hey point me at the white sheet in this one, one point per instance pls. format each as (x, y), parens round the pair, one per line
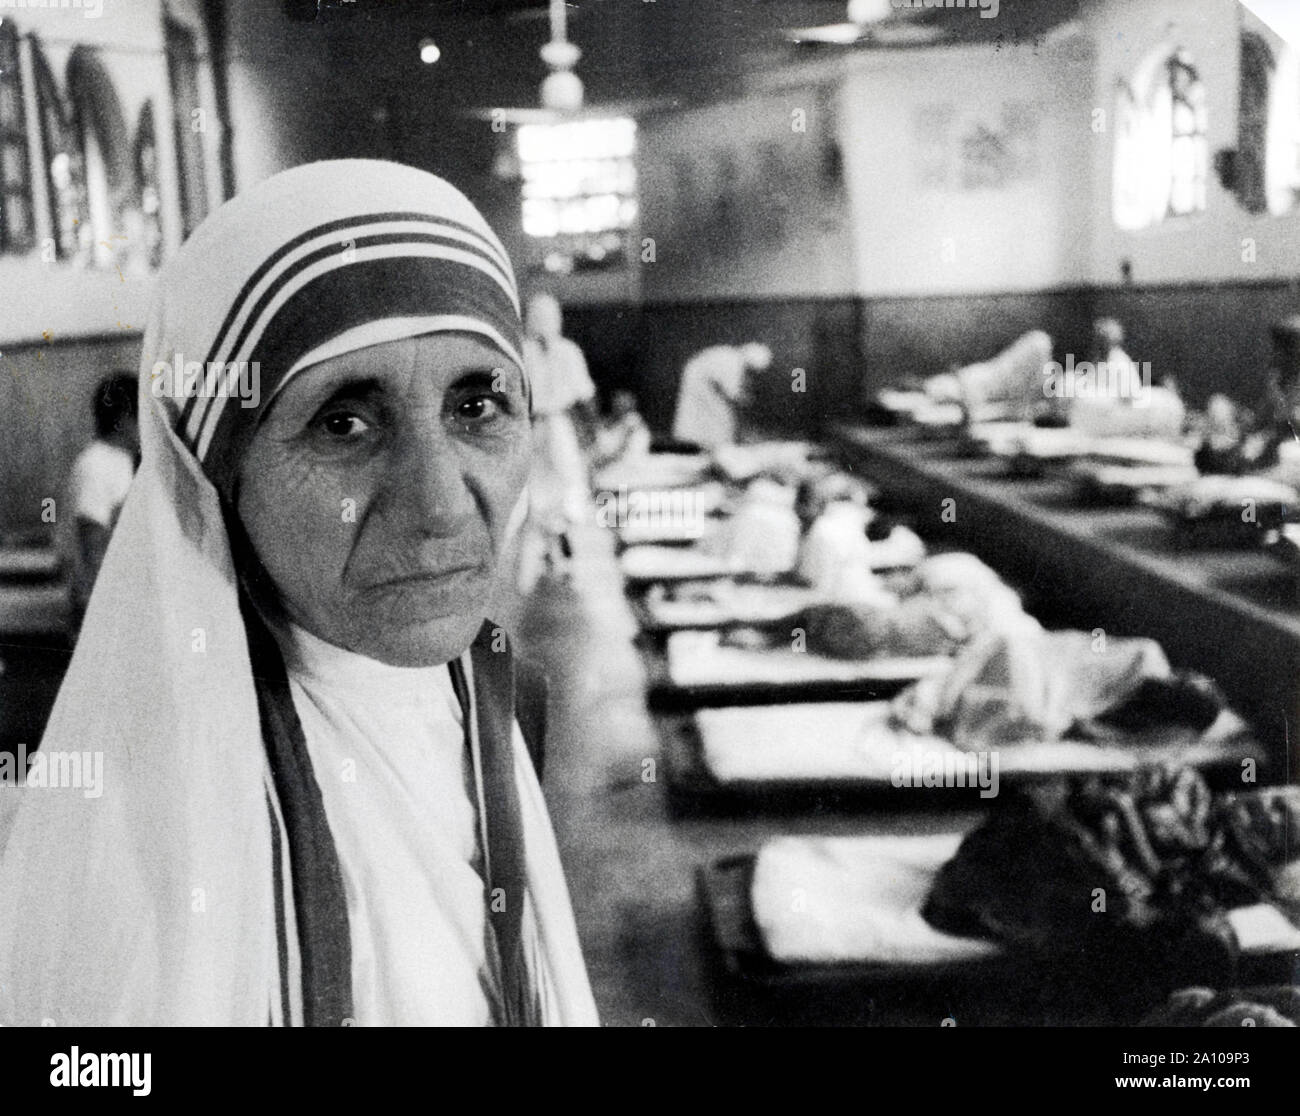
(1134, 478)
(672, 563)
(921, 409)
(836, 900)
(697, 659)
(840, 900)
(658, 470)
(740, 463)
(725, 602)
(662, 515)
(903, 549)
(815, 741)
(854, 742)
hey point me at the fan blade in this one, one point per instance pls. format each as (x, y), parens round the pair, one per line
(899, 33)
(841, 34)
(519, 115)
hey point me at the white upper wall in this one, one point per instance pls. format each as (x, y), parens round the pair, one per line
(912, 124)
(1213, 246)
(744, 199)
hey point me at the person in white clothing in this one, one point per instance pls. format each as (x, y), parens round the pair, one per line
(98, 484)
(714, 389)
(559, 489)
(320, 802)
(1122, 401)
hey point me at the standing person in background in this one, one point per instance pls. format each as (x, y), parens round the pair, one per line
(714, 389)
(559, 489)
(98, 484)
(1107, 343)
(1124, 403)
(624, 436)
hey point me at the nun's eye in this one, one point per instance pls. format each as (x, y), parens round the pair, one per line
(480, 409)
(344, 425)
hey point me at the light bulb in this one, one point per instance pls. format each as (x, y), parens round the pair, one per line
(863, 12)
(429, 52)
(562, 91)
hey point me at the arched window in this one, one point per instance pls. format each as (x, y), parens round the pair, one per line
(65, 170)
(146, 176)
(1282, 151)
(106, 145)
(1161, 151)
(1190, 158)
(17, 222)
(187, 123)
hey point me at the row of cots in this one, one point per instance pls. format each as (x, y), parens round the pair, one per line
(806, 655)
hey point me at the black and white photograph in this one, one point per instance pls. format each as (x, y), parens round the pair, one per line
(650, 513)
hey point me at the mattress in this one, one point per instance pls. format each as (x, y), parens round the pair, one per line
(658, 470)
(29, 563)
(847, 900)
(902, 549)
(33, 596)
(660, 515)
(837, 900)
(1024, 440)
(720, 603)
(1140, 451)
(672, 563)
(699, 659)
(741, 463)
(853, 742)
(918, 407)
(1131, 480)
(33, 609)
(1212, 496)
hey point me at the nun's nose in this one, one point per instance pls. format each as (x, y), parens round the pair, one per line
(431, 483)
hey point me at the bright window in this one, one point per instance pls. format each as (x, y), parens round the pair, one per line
(17, 221)
(65, 167)
(579, 189)
(1161, 151)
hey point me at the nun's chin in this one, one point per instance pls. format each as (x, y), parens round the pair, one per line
(422, 644)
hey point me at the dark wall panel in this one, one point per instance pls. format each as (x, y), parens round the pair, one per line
(1210, 338)
(46, 419)
(922, 336)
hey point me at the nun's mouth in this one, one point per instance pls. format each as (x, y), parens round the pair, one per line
(422, 595)
(431, 577)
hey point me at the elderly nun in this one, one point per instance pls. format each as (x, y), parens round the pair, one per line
(318, 806)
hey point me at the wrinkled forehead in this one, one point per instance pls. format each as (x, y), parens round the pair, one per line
(412, 372)
(314, 263)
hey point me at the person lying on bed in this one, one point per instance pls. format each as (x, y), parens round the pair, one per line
(1120, 400)
(946, 602)
(943, 605)
(1007, 387)
(762, 535)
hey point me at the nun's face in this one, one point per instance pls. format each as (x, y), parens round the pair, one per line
(378, 492)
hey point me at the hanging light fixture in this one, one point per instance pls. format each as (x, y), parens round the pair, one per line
(562, 88)
(863, 12)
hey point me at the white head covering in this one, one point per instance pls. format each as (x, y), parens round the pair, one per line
(156, 902)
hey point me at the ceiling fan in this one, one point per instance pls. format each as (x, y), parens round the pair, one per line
(870, 23)
(561, 93)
